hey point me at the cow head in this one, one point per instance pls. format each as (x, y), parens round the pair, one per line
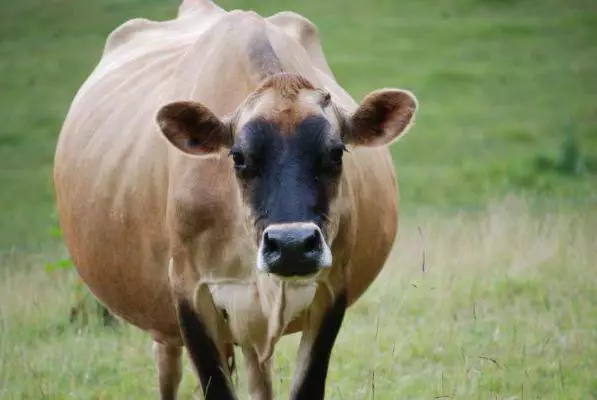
(286, 143)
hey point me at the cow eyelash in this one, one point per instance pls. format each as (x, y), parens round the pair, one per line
(336, 153)
(244, 168)
(238, 158)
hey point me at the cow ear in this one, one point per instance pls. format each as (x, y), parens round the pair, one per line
(193, 128)
(382, 117)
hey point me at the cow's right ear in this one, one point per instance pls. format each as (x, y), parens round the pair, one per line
(193, 128)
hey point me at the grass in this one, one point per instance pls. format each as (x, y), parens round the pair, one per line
(505, 308)
(502, 84)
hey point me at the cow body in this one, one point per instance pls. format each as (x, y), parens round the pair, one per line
(163, 239)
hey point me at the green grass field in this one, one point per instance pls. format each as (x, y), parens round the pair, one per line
(507, 306)
(506, 309)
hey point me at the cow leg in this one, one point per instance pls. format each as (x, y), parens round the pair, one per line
(230, 360)
(199, 323)
(259, 376)
(315, 349)
(169, 364)
(204, 354)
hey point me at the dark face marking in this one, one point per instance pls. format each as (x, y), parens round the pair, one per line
(288, 177)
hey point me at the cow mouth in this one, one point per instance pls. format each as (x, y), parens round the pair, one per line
(289, 274)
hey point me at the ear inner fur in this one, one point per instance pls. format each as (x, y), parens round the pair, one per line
(193, 128)
(382, 116)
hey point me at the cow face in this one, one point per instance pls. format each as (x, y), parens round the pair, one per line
(287, 142)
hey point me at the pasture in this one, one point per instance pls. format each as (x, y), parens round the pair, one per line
(491, 292)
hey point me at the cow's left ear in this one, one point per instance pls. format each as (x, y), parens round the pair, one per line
(193, 128)
(382, 117)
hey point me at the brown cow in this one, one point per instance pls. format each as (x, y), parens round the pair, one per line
(216, 185)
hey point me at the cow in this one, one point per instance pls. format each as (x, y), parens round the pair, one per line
(217, 187)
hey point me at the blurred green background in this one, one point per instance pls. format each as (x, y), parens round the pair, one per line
(507, 90)
(507, 305)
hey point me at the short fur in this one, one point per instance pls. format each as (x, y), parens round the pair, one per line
(156, 214)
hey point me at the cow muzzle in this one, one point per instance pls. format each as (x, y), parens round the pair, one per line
(293, 250)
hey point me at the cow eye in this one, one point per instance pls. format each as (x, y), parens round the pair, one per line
(336, 154)
(333, 163)
(238, 158)
(244, 169)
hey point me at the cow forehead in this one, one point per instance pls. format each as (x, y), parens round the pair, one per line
(286, 112)
(308, 138)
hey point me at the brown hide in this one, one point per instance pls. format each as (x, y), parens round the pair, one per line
(123, 191)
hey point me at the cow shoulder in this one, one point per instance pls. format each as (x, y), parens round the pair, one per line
(194, 17)
(190, 6)
(126, 32)
(295, 25)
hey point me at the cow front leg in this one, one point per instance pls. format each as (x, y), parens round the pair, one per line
(204, 354)
(199, 323)
(169, 366)
(315, 349)
(259, 376)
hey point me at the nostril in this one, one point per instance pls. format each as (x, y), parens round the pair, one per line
(269, 245)
(311, 244)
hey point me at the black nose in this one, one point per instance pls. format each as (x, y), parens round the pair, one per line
(293, 250)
